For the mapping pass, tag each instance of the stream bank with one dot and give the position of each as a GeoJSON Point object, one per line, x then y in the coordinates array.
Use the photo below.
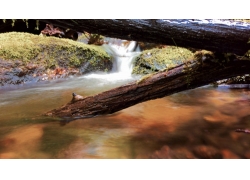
{"type": "Point", "coordinates": [28, 58]}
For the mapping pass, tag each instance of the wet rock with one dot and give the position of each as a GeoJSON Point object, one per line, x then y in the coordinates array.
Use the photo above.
{"type": "Point", "coordinates": [19, 72]}
{"type": "Point", "coordinates": [182, 153]}
{"type": "Point", "coordinates": [60, 71]}
{"type": "Point", "coordinates": [207, 152]}
{"type": "Point", "coordinates": [8, 155]}
{"type": "Point", "coordinates": [17, 63]}
{"type": "Point", "coordinates": [10, 74]}
{"type": "Point", "coordinates": [163, 153]}
{"type": "Point", "coordinates": [247, 154]}
{"type": "Point", "coordinates": [6, 142]}
{"type": "Point", "coordinates": [31, 66]}
{"type": "Point", "coordinates": [74, 72]}
{"type": "Point", "coordinates": [166, 153]}
{"type": "Point", "coordinates": [227, 154]}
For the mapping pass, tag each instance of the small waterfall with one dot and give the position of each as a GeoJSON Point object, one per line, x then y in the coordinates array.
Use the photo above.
{"type": "Point", "coordinates": [123, 52]}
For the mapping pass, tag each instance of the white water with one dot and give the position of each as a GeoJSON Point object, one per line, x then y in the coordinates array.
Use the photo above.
{"type": "Point", "coordinates": [123, 53]}
{"type": "Point", "coordinates": [93, 83]}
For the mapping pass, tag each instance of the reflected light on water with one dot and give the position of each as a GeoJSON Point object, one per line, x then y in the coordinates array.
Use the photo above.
{"type": "Point", "coordinates": [191, 124]}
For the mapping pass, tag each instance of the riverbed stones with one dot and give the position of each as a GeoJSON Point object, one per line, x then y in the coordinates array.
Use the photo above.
{"type": "Point", "coordinates": [167, 153]}
{"type": "Point", "coordinates": [227, 154]}
{"type": "Point", "coordinates": [207, 152]}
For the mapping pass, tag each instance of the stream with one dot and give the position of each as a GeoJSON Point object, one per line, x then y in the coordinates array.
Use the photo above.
{"type": "Point", "coordinates": [198, 123]}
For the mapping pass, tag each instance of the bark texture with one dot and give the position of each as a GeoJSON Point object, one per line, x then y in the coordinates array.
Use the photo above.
{"type": "Point", "coordinates": [214, 35]}
{"type": "Point", "coordinates": [183, 77]}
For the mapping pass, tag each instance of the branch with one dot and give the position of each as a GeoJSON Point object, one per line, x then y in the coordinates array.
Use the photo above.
{"type": "Point", "coordinates": [183, 77]}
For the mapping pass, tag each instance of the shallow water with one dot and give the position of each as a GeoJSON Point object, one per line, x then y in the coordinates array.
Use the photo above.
{"type": "Point", "coordinates": [198, 123]}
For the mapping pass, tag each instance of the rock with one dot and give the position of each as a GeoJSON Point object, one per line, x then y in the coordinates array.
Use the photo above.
{"type": "Point", "coordinates": [207, 152]}
{"type": "Point", "coordinates": [8, 155]}
{"type": "Point", "coordinates": [166, 153]}
{"type": "Point", "coordinates": [154, 60]}
{"type": "Point", "coordinates": [31, 66]}
{"type": "Point", "coordinates": [227, 154]}
{"type": "Point", "coordinates": [247, 154]}
{"type": "Point", "coordinates": [31, 56]}
{"type": "Point", "coordinates": [7, 142]}
{"type": "Point", "coordinates": [163, 153]}
{"type": "Point", "coordinates": [183, 153]}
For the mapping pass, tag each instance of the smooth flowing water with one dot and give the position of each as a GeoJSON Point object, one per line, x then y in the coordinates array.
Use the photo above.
{"type": "Point", "coordinates": [198, 123]}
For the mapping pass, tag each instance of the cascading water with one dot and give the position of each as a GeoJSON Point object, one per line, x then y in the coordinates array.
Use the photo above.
{"type": "Point", "coordinates": [123, 53]}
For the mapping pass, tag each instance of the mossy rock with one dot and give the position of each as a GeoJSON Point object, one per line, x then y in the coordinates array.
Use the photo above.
{"type": "Point", "coordinates": [51, 51]}
{"type": "Point", "coordinates": [156, 59]}
{"type": "Point", "coordinates": [27, 58]}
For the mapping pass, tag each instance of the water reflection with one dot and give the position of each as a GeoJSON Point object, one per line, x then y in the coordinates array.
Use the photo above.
{"type": "Point", "coordinates": [199, 123]}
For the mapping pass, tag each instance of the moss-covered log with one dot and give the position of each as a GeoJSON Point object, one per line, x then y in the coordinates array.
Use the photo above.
{"type": "Point", "coordinates": [214, 35]}
{"type": "Point", "coordinates": [185, 76]}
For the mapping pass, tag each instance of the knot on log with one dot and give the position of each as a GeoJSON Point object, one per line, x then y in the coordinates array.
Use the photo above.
{"type": "Point", "coordinates": [76, 97]}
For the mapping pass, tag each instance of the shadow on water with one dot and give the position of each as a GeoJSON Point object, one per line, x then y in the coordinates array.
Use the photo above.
{"type": "Point", "coordinates": [168, 127]}
{"type": "Point", "coordinates": [208, 133]}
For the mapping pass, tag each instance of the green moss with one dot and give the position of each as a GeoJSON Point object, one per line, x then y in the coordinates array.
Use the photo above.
{"type": "Point", "coordinates": [13, 22]}
{"type": "Point", "coordinates": [143, 78]}
{"type": "Point", "coordinates": [203, 53]}
{"type": "Point", "coordinates": [37, 25]}
{"type": "Point", "coordinates": [26, 22]}
{"type": "Point", "coordinates": [51, 51]}
{"type": "Point", "coordinates": [158, 59]}
{"type": "Point", "coordinates": [247, 54]}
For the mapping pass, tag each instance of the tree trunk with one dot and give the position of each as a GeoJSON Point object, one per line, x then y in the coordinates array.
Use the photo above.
{"type": "Point", "coordinates": [183, 77]}
{"type": "Point", "coordinates": [214, 35]}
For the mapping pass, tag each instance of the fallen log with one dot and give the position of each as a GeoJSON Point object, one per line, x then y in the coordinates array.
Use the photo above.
{"type": "Point", "coordinates": [185, 76]}
{"type": "Point", "coordinates": [214, 35]}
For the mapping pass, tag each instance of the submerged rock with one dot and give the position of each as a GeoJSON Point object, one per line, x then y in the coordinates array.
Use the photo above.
{"type": "Point", "coordinates": [166, 153]}
{"type": "Point", "coordinates": [227, 154]}
{"type": "Point", "coordinates": [207, 152]}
